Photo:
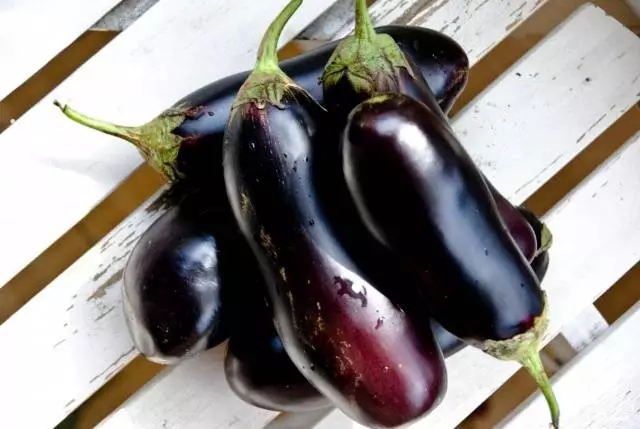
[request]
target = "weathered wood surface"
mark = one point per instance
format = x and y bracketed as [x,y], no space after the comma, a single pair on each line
[32,32]
[171,50]
[602,386]
[529,133]
[122,16]
[466,21]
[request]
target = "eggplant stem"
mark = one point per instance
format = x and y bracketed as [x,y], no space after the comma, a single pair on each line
[364,26]
[532,363]
[268,50]
[155,140]
[546,238]
[127,133]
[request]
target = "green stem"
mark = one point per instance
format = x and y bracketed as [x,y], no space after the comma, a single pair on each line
[546,238]
[129,134]
[268,50]
[364,27]
[531,361]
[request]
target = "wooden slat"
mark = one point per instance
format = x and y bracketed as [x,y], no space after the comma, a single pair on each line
[142,408]
[603,384]
[326,26]
[32,32]
[53,167]
[466,21]
[590,325]
[453,20]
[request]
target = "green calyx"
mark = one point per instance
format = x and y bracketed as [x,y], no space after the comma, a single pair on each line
[267,83]
[546,238]
[523,348]
[368,60]
[155,140]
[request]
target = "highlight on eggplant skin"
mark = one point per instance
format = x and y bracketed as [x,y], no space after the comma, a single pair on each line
[171,287]
[257,367]
[259,371]
[349,340]
[433,207]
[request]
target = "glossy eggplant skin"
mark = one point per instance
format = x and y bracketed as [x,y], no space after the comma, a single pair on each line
[434,208]
[171,286]
[442,62]
[540,262]
[519,226]
[347,338]
[257,367]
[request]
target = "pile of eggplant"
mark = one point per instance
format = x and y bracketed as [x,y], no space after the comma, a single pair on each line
[325,219]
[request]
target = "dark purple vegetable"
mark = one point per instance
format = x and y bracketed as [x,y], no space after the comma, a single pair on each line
[420,194]
[517,224]
[257,367]
[363,65]
[184,142]
[190,283]
[539,261]
[171,285]
[353,344]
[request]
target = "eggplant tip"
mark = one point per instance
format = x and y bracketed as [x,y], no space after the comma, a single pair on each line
[523,348]
[519,347]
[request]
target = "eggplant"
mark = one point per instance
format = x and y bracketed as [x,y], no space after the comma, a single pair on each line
[184,141]
[367,64]
[348,339]
[419,193]
[191,283]
[363,65]
[520,228]
[257,367]
[172,283]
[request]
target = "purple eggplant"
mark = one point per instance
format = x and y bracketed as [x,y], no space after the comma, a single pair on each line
[420,194]
[363,65]
[257,367]
[370,63]
[185,141]
[347,338]
[171,285]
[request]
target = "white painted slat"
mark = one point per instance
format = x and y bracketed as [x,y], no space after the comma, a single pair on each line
[123,15]
[141,409]
[468,21]
[327,25]
[464,20]
[54,171]
[579,272]
[32,32]
[67,169]
[587,327]
[551,84]
[603,384]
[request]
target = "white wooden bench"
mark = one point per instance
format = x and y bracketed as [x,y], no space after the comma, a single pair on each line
[70,339]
